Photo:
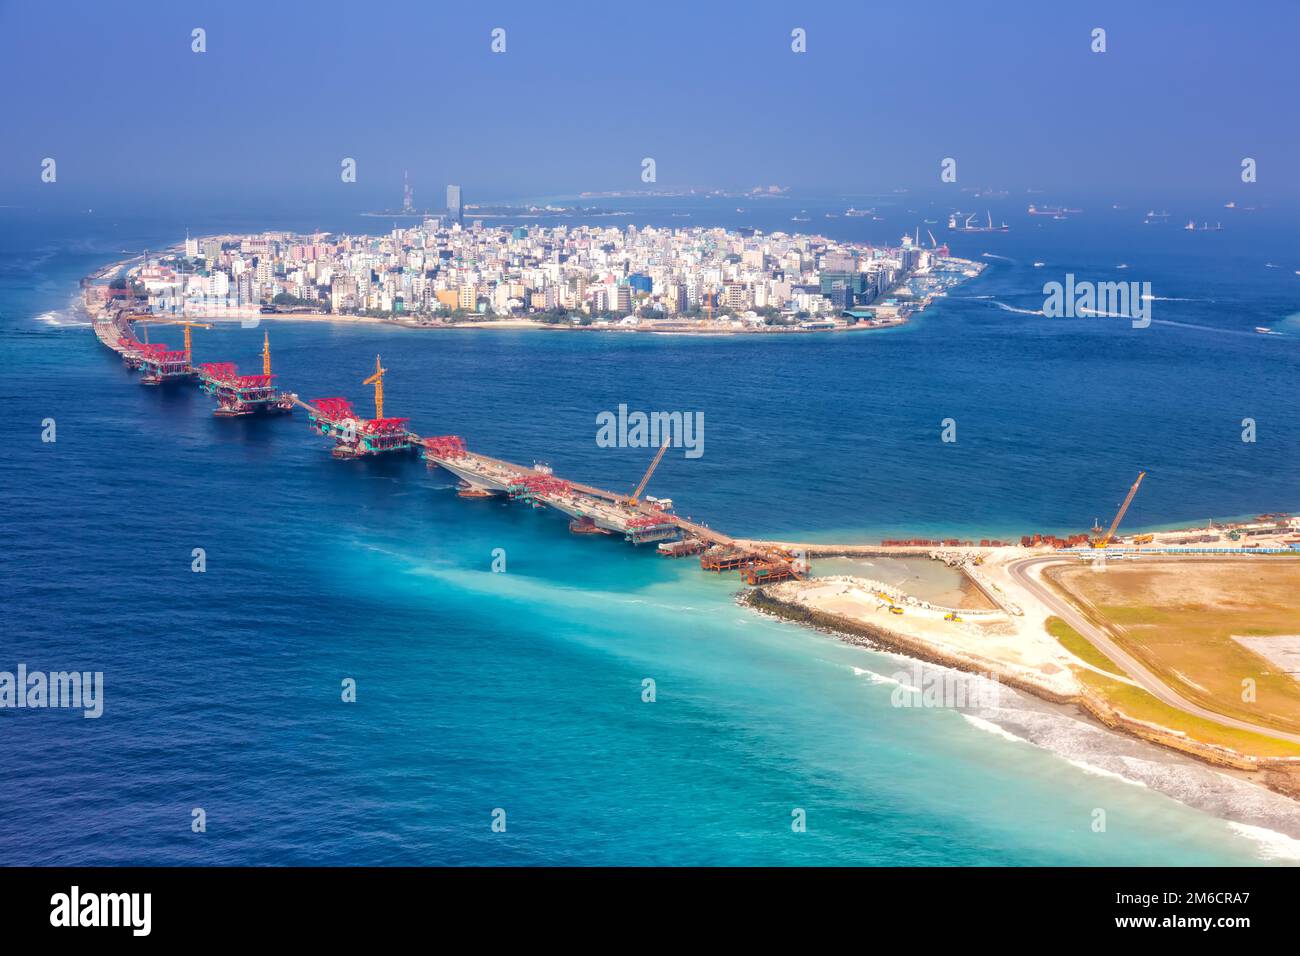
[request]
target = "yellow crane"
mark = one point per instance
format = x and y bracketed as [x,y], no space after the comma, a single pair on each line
[266,352]
[645,479]
[1119,515]
[377,380]
[189,324]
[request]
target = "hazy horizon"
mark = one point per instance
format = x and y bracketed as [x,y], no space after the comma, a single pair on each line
[578,99]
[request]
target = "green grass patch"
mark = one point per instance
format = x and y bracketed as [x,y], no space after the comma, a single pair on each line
[1137,703]
[1080,646]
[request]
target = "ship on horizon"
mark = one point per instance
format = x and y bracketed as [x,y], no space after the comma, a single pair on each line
[1057,212]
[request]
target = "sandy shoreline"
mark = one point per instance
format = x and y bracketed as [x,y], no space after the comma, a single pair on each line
[1066,727]
[1015,650]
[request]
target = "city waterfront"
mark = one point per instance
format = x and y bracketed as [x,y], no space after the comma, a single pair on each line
[320,569]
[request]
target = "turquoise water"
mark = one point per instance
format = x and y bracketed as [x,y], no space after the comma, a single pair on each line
[522,690]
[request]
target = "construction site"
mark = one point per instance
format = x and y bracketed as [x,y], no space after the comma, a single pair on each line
[638,518]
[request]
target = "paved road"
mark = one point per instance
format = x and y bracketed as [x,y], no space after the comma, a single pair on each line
[1135,669]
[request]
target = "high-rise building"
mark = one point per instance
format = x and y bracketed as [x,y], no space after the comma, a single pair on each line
[454,203]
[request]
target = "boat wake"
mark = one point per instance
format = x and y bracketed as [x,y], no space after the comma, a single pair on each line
[1018,311]
[1200,328]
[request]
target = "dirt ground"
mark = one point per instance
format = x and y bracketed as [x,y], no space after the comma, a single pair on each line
[1184,619]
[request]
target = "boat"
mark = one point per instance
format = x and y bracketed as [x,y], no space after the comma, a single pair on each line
[966,225]
[1039,265]
[1263,330]
[586,525]
[1122,265]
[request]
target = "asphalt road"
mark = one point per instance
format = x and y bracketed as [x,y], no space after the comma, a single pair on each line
[1131,666]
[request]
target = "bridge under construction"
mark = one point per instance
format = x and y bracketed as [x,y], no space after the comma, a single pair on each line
[636,518]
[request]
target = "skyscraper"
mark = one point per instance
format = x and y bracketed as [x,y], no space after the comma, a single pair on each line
[453,202]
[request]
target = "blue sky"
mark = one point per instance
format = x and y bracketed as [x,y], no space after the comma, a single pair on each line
[584,91]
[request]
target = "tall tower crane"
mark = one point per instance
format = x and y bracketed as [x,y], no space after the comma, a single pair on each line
[377,380]
[1105,539]
[266,352]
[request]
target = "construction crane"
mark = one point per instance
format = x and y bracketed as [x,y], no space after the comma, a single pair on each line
[645,479]
[189,324]
[266,352]
[377,380]
[1119,515]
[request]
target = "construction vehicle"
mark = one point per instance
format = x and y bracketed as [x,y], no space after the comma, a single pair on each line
[952,616]
[1143,538]
[1105,540]
[895,609]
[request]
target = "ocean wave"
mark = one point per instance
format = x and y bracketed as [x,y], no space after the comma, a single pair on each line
[875,678]
[1096,771]
[1272,845]
[989,727]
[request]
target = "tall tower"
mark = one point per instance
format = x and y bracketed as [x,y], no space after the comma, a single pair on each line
[454,203]
[408,195]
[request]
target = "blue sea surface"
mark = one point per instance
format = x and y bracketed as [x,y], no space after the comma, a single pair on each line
[523,691]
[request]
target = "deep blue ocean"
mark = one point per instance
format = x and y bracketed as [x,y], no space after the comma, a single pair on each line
[522,690]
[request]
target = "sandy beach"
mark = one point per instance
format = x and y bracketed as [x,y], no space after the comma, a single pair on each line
[1016,642]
